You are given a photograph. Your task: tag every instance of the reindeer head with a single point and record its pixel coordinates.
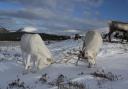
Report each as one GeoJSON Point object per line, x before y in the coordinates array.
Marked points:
{"type": "Point", "coordinates": [90, 57]}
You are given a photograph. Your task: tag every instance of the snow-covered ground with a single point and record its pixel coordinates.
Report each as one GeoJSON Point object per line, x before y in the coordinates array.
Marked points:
{"type": "Point", "coordinates": [113, 58]}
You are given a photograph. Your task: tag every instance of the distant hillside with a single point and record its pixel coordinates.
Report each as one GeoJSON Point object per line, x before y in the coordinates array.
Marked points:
{"type": "Point", "coordinates": [3, 30]}
{"type": "Point", "coordinates": [16, 36]}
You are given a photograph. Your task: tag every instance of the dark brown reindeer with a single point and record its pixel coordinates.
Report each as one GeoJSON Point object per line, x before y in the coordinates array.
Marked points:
{"type": "Point", "coordinates": [117, 26]}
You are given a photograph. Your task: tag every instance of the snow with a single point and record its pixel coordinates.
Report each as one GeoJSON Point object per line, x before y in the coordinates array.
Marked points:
{"type": "Point", "coordinates": [113, 57]}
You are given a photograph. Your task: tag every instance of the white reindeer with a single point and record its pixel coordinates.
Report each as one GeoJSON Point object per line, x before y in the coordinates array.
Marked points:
{"type": "Point", "coordinates": [35, 53]}
{"type": "Point", "coordinates": [91, 46]}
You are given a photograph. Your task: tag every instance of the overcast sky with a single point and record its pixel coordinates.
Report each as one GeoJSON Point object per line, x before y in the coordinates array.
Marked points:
{"type": "Point", "coordinates": [54, 16]}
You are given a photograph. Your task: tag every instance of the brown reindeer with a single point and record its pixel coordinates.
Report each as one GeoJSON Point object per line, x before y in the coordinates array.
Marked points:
{"type": "Point", "coordinates": [116, 26]}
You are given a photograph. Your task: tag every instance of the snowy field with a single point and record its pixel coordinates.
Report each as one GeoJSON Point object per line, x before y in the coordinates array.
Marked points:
{"type": "Point", "coordinates": [113, 58]}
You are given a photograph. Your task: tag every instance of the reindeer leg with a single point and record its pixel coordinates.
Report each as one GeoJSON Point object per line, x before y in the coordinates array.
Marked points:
{"type": "Point", "coordinates": [77, 61]}
{"type": "Point", "coordinates": [105, 36]}
{"type": "Point", "coordinates": [24, 58]}
{"type": "Point", "coordinates": [27, 66]}
{"type": "Point", "coordinates": [109, 35]}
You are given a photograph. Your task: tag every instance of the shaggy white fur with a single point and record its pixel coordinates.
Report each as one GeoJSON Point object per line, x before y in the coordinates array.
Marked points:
{"type": "Point", "coordinates": [91, 46]}
{"type": "Point", "coordinates": [35, 53]}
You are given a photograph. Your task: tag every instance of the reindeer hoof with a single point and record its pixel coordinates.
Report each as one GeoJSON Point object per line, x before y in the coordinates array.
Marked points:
{"type": "Point", "coordinates": [90, 65]}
